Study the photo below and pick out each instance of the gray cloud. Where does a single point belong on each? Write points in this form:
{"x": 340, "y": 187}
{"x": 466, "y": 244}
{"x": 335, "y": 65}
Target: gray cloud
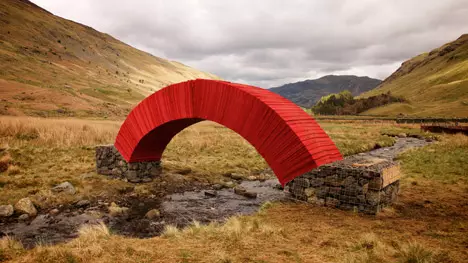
{"x": 271, "y": 42}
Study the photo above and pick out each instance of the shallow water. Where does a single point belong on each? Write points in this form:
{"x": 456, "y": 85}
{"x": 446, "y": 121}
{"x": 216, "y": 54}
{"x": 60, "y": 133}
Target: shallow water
{"x": 179, "y": 209}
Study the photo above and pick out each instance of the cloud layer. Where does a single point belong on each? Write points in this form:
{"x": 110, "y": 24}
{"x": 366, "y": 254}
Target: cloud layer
{"x": 271, "y": 42}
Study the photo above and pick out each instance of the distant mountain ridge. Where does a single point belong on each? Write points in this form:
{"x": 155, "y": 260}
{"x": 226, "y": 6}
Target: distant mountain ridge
{"x": 435, "y": 84}
{"x": 50, "y": 66}
{"x": 307, "y": 93}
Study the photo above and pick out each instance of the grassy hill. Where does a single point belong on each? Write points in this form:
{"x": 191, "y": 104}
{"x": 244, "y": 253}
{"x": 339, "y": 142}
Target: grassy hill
{"x": 434, "y": 83}
{"x": 307, "y": 93}
{"x": 50, "y": 66}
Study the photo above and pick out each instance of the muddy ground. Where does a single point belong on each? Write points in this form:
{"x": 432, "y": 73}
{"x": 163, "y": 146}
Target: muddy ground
{"x": 179, "y": 205}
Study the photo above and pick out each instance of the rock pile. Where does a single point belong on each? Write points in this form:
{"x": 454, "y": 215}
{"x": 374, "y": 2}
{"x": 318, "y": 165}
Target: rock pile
{"x": 356, "y": 183}
{"x": 110, "y": 162}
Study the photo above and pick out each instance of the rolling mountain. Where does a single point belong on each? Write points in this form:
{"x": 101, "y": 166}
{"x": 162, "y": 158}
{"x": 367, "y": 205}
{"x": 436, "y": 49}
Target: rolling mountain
{"x": 50, "y": 66}
{"x": 434, "y": 83}
{"x": 307, "y": 93}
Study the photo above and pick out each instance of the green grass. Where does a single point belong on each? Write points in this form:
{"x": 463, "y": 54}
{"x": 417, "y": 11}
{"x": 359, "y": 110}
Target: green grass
{"x": 433, "y": 84}
{"x": 61, "y": 150}
{"x": 445, "y": 161}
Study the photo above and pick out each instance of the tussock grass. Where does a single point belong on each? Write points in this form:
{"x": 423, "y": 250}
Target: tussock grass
{"x": 10, "y": 248}
{"x": 92, "y": 233}
{"x": 46, "y": 152}
{"x": 370, "y": 248}
{"x": 20, "y": 131}
{"x": 445, "y": 160}
{"x": 279, "y": 233}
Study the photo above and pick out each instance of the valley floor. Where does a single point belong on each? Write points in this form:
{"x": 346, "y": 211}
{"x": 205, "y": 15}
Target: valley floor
{"x": 429, "y": 223}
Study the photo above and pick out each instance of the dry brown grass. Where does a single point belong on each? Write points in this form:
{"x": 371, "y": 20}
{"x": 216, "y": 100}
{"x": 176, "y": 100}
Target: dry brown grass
{"x": 46, "y": 152}
{"x": 428, "y": 224}
{"x": 21, "y": 131}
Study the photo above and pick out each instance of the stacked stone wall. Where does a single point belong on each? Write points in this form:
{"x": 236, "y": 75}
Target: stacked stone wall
{"x": 357, "y": 183}
{"x": 110, "y": 162}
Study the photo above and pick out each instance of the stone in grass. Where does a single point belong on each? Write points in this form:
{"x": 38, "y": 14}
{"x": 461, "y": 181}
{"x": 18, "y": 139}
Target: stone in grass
{"x": 26, "y": 206}
{"x": 54, "y": 212}
{"x": 115, "y": 210}
{"x": 6, "y": 210}
{"x": 65, "y": 187}
{"x": 235, "y": 176}
{"x": 251, "y": 178}
{"x": 153, "y": 213}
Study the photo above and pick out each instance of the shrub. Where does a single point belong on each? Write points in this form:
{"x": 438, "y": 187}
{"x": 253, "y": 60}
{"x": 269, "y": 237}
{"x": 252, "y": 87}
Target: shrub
{"x": 343, "y": 103}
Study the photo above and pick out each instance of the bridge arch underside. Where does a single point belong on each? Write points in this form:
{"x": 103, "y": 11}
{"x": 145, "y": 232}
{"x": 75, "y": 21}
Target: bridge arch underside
{"x": 289, "y": 140}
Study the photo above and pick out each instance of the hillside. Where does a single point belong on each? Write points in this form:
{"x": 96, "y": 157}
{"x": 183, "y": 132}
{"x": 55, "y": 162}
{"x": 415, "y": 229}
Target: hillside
{"x": 50, "y": 66}
{"x": 434, "y": 83}
{"x": 307, "y": 93}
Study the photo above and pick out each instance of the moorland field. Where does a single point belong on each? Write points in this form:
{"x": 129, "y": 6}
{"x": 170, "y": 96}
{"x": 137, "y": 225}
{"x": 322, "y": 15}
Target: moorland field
{"x": 427, "y": 224}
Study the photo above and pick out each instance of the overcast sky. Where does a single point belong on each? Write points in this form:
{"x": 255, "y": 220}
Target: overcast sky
{"x": 271, "y": 42}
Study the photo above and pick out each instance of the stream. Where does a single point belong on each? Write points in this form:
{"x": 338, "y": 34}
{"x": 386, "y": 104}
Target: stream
{"x": 203, "y": 204}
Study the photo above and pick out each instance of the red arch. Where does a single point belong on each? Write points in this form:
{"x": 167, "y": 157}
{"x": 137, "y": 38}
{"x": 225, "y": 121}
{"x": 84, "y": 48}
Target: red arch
{"x": 290, "y": 141}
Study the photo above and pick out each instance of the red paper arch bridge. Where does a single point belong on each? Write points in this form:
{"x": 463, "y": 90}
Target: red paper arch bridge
{"x": 289, "y": 140}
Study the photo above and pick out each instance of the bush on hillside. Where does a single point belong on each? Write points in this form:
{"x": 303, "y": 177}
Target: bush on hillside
{"x": 343, "y": 103}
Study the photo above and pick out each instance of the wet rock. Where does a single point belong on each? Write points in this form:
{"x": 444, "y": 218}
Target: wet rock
{"x": 65, "y": 187}
{"x": 250, "y": 194}
{"x": 236, "y": 176}
{"x": 23, "y": 217}
{"x": 115, "y": 210}
{"x": 211, "y": 193}
{"x": 217, "y": 187}
{"x": 402, "y": 135}
{"x": 6, "y": 210}
{"x": 278, "y": 186}
{"x": 229, "y": 184}
{"x": 153, "y": 213}
{"x": 83, "y": 203}
{"x": 242, "y": 191}
{"x": 26, "y": 206}
{"x": 54, "y": 211}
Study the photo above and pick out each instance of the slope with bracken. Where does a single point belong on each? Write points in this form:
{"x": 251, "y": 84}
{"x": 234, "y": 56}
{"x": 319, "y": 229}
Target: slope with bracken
{"x": 50, "y": 66}
{"x": 434, "y": 83}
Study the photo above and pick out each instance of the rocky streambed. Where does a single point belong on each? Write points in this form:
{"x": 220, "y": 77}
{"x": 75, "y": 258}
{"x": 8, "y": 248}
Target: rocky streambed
{"x": 146, "y": 216}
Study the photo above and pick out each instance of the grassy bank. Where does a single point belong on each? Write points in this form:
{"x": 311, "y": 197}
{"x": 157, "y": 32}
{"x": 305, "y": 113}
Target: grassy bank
{"x": 427, "y": 224}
